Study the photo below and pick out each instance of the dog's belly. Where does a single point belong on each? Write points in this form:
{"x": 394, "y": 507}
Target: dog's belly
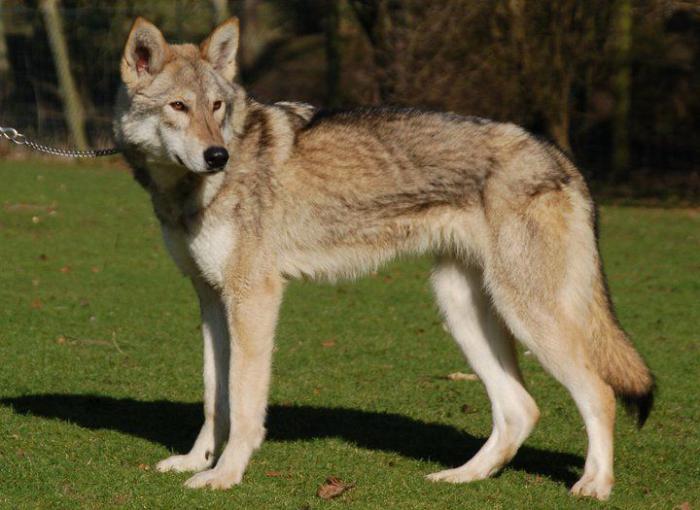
{"x": 349, "y": 250}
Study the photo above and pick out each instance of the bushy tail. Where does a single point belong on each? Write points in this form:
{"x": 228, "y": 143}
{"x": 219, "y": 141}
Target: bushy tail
{"x": 617, "y": 361}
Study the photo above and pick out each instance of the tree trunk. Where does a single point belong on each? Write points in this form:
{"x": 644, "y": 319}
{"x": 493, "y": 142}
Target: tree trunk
{"x": 252, "y": 42}
{"x": 560, "y": 113}
{"x": 221, "y": 11}
{"x": 4, "y": 58}
{"x": 332, "y": 47}
{"x": 378, "y": 20}
{"x": 179, "y": 16}
{"x": 72, "y": 106}
{"x": 559, "y": 129}
{"x": 621, "y": 85}
{"x": 6, "y": 83}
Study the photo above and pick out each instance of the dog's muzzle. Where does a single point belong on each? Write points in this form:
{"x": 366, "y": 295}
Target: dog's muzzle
{"x": 215, "y": 158}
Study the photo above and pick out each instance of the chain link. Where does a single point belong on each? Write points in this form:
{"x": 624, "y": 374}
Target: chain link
{"x": 18, "y": 138}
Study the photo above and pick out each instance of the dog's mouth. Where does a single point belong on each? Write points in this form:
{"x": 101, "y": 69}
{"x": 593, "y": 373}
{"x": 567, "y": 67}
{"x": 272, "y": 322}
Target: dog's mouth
{"x": 212, "y": 171}
{"x": 208, "y": 171}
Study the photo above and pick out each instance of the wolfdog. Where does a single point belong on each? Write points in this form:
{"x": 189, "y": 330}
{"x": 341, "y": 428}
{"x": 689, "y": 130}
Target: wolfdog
{"x": 250, "y": 195}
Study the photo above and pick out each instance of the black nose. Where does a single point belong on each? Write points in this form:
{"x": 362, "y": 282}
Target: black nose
{"x": 216, "y": 157}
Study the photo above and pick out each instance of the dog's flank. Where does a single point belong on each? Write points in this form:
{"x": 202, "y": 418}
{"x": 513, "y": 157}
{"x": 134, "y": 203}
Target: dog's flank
{"x": 249, "y": 195}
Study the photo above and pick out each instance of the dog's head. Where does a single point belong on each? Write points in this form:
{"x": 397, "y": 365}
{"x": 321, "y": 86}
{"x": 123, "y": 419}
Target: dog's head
{"x": 179, "y": 104}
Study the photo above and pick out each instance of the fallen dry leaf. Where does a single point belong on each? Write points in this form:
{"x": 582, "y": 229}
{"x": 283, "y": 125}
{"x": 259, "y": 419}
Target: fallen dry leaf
{"x": 683, "y": 506}
{"x": 95, "y": 269}
{"x": 37, "y": 303}
{"x": 273, "y": 474}
{"x": 460, "y": 376}
{"x": 333, "y": 487}
{"x": 65, "y": 269}
{"x": 328, "y": 343}
{"x": 144, "y": 467}
{"x": 61, "y": 340}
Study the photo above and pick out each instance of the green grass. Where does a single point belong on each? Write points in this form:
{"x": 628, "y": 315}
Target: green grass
{"x": 100, "y": 363}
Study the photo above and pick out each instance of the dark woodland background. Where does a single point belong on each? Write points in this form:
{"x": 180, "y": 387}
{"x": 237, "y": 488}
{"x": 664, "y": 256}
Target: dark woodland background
{"x": 616, "y": 83}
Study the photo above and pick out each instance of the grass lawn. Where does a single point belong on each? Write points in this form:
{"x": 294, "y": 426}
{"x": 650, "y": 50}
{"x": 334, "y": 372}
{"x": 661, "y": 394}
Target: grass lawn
{"x": 100, "y": 370}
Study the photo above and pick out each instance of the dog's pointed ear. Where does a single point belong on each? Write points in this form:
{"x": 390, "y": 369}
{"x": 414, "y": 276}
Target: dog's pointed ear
{"x": 145, "y": 53}
{"x": 220, "y": 48}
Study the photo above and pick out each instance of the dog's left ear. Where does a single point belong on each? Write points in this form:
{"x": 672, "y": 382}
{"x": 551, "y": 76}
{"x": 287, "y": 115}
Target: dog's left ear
{"x": 220, "y": 48}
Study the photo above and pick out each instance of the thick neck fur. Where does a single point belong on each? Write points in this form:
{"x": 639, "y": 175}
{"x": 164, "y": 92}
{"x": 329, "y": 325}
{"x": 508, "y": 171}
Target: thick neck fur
{"x": 177, "y": 194}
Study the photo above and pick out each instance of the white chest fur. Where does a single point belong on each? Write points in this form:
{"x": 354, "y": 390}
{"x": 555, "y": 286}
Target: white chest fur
{"x": 203, "y": 252}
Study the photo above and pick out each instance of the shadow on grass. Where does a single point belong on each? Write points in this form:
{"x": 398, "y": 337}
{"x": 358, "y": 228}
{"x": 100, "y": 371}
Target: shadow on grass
{"x": 175, "y": 425}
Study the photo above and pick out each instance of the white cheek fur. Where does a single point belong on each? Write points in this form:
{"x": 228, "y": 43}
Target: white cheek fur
{"x": 178, "y": 144}
{"x": 142, "y": 132}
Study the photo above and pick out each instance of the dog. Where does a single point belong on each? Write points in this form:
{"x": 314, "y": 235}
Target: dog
{"x": 250, "y": 195}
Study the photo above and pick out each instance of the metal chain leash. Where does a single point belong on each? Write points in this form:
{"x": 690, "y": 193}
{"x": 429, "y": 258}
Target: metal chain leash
{"x": 18, "y": 138}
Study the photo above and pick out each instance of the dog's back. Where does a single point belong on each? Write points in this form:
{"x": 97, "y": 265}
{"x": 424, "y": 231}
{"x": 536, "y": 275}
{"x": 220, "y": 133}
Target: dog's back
{"x": 379, "y": 181}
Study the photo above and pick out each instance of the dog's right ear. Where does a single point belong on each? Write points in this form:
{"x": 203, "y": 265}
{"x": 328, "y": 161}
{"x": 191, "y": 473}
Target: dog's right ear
{"x": 145, "y": 53}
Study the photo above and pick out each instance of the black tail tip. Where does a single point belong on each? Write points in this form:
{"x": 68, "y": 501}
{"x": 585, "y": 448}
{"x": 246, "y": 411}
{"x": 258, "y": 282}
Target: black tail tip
{"x": 640, "y": 405}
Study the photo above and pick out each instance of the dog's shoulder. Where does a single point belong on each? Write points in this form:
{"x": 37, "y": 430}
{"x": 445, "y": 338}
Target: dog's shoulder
{"x": 299, "y": 113}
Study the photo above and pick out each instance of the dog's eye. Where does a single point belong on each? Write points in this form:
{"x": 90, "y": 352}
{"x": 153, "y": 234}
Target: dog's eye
{"x": 216, "y": 106}
{"x": 179, "y": 106}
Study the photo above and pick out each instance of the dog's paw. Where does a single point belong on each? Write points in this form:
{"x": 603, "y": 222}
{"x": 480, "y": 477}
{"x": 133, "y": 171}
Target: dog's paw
{"x": 598, "y": 487}
{"x": 214, "y": 478}
{"x": 182, "y": 463}
{"x": 461, "y": 474}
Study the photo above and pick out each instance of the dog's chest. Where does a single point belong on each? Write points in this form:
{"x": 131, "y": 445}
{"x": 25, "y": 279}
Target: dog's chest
{"x": 205, "y": 251}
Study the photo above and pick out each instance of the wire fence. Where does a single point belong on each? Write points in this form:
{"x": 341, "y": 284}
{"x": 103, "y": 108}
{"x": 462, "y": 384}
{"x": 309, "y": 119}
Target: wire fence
{"x": 613, "y": 82}
{"x": 59, "y": 64}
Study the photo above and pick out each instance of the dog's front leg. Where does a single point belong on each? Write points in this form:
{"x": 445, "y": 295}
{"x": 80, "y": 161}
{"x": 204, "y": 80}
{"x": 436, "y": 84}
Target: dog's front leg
{"x": 252, "y": 316}
{"x": 216, "y": 365}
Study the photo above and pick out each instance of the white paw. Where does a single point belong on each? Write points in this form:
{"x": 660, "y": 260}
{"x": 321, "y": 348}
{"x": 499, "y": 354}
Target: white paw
{"x": 598, "y": 487}
{"x": 181, "y": 463}
{"x": 215, "y": 478}
{"x": 459, "y": 475}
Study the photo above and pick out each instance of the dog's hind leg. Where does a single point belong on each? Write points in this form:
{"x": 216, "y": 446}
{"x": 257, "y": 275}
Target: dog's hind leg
{"x": 490, "y": 351}
{"x": 541, "y": 274}
{"x": 559, "y": 345}
{"x": 216, "y": 412}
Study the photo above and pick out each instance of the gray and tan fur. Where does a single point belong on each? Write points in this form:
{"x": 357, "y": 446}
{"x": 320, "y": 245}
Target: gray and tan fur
{"x": 250, "y": 195}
